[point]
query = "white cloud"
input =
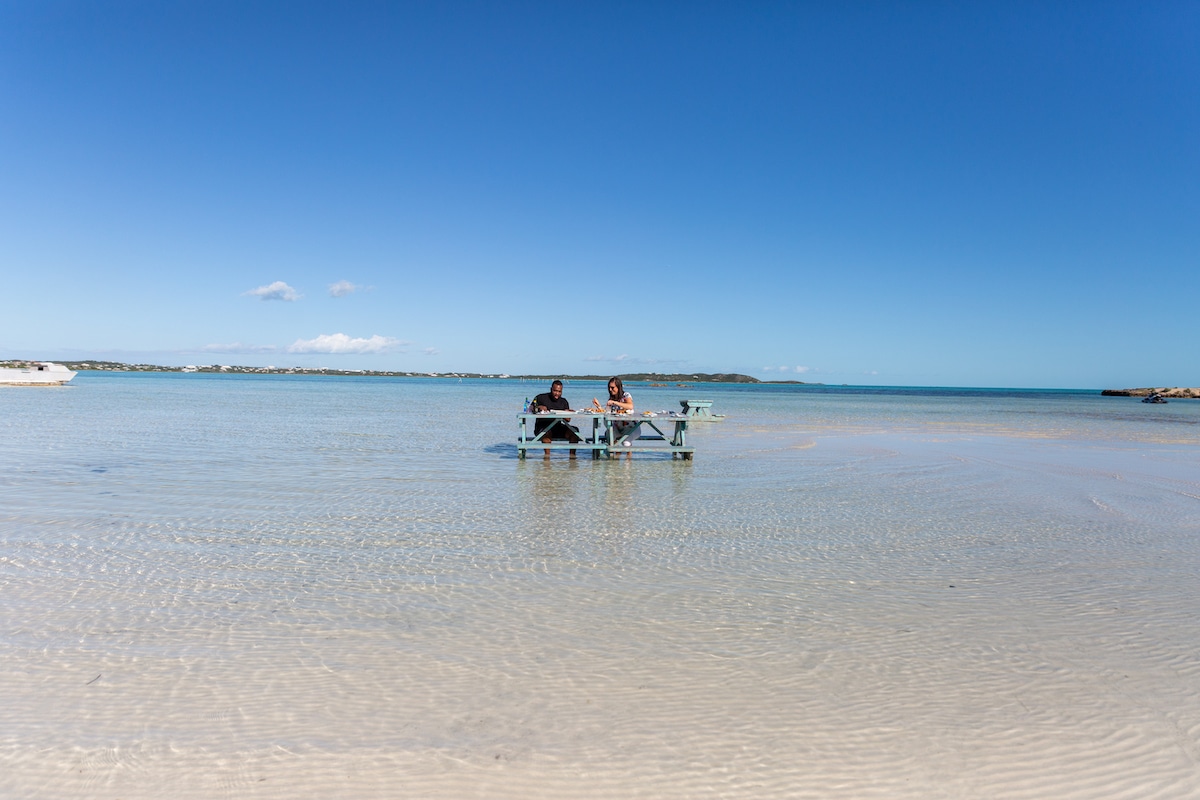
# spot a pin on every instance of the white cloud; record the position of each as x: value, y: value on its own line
x: 343, y: 288
x: 802, y: 370
x: 612, y: 359
x: 341, y: 344
x: 275, y: 291
x: 432, y: 351
x: 238, y: 347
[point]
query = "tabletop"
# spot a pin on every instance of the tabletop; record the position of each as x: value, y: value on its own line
x: 581, y: 412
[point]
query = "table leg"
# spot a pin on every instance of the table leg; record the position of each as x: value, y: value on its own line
x: 680, y: 433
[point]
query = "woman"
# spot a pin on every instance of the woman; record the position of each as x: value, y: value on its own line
x: 619, y: 400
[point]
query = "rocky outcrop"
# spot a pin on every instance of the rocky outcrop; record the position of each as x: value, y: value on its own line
x: 1169, y: 393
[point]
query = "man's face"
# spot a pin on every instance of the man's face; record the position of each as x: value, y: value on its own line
x: 556, y: 391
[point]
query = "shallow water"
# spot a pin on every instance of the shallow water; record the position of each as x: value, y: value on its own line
x: 227, y: 586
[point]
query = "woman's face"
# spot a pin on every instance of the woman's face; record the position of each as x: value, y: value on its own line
x: 612, y: 389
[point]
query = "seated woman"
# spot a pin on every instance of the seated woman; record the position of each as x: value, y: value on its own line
x: 619, y: 400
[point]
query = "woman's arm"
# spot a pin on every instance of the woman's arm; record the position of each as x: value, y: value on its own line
x: 625, y: 403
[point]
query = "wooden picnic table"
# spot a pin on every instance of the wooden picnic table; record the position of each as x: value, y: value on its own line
x: 640, y: 433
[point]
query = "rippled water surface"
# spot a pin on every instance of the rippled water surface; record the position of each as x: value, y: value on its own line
x: 235, y: 586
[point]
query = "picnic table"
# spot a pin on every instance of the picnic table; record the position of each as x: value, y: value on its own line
x: 640, y: 432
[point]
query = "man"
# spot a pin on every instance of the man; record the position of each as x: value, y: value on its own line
x: 548, y: 429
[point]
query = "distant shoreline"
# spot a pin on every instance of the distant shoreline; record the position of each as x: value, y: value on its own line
x: 227, y: 369
x: 653, y: 378
x: 1174, y: 393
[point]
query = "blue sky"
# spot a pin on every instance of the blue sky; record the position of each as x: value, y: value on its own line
x: 973, y: 194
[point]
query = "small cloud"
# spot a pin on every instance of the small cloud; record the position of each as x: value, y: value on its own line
x: 768, y: 369
x: 611, y: 359
x: 275, y: 291
x: 341, y: 344
x: 238, y: 347
x: 802, y: 370
x: 431, y: 351
x: 343, y: 288
x: 871, y: 372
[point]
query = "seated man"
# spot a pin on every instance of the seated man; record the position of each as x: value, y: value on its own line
x: 548, y: 429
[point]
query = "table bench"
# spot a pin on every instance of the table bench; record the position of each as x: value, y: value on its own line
x: 604, y: 439
x: 700, y: 411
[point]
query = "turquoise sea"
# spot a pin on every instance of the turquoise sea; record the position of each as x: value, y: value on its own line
x: 278, y: 586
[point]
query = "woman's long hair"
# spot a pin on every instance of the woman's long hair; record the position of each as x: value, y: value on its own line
x: 620, y: 388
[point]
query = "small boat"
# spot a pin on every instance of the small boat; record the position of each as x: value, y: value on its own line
x: 39, y: 373
x: 1154, y: 397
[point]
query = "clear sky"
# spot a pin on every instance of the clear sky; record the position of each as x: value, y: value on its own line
x: 972, y: 194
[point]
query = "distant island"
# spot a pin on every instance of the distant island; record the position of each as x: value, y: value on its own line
x: 1171, y: 392
x: 228, y: 369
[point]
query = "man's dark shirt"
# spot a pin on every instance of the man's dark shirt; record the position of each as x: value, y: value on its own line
x: 561, y: 404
